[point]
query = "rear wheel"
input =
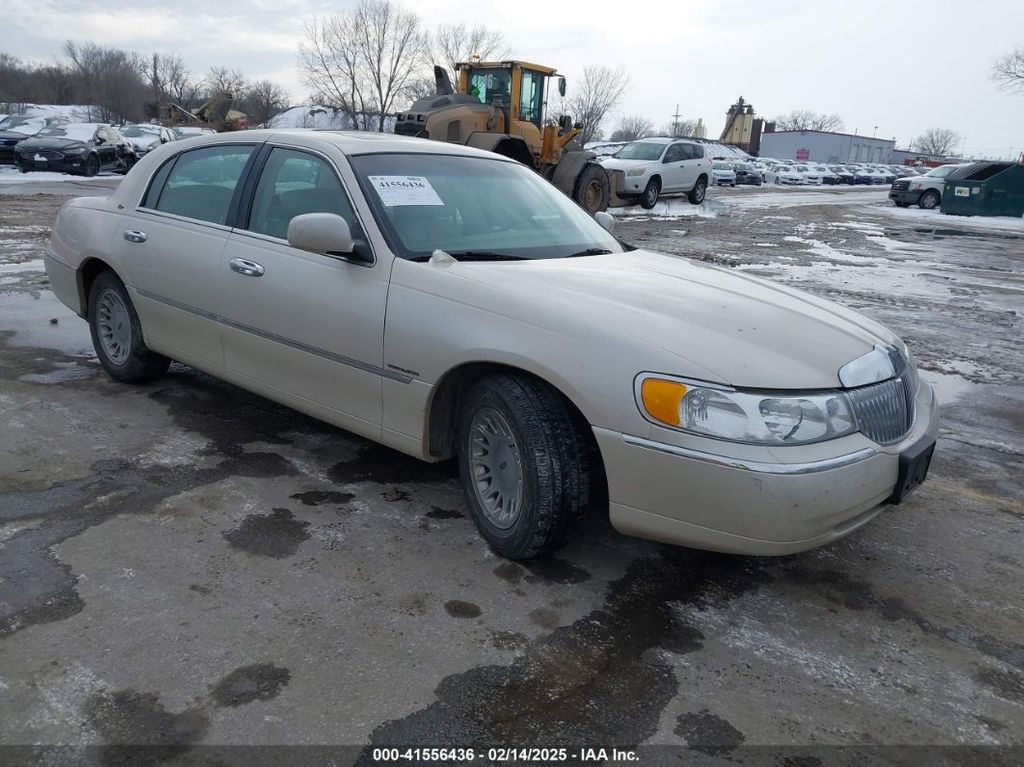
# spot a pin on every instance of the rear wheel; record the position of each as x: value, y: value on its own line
x: 524, y: 464
x: 696, y: 195
x: 117, y: 333
x: 929, y: 200
x: 592, y: 189
x: 651, y: 194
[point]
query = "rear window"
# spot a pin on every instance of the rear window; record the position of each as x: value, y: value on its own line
x: 199, y: 184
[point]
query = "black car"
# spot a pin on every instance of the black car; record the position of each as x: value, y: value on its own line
x: 862, y: 176
x: 82, y: 148
x: 842, y: 173
x: 747, y: 174
x: 16, y: 128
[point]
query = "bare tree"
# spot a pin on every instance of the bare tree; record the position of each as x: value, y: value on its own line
x: 263, y: 99
x: 804, y: 119
x: 683, y: 126
x: 223, y: 80
x: 365, y: 59
x: 1008, y: 71
x: 458, y: 42
x: 937, y: 141
x: 594, y: 96
x: 170, y: 81
x: 110, y: 79
x: 632, y: 127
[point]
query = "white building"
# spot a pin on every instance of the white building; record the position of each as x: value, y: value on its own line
x: 822, y: 146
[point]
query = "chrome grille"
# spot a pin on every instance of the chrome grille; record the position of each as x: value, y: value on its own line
x: 885, y: 410
x: 49, y: 154
x: 901, y: 185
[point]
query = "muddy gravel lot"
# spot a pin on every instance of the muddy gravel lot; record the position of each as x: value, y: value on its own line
x: 185, y: 564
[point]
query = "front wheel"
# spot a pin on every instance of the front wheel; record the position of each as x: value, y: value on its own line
x: 651, y: 194
x: 592, y: 191
x: 92, y: 165
x: 929, y: 200
x: 117, y: 333
x: 696, y: 195
x: 524, y: 464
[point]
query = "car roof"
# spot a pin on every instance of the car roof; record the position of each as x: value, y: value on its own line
x: 349, y: 142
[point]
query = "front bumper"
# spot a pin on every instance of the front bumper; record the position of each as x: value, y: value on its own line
x: 909, y: 196
x: 763, y: 505
x: 65, y: 164
x: 7, y: 155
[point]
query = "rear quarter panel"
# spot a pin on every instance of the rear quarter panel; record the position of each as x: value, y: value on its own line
x: 83, y: 229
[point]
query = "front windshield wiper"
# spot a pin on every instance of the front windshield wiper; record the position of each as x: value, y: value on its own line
x: 590, y: 252
x: 476, y: 255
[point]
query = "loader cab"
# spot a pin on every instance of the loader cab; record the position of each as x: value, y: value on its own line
x: 514, y: 85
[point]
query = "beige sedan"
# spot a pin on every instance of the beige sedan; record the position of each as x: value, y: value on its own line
x: 448, y: 302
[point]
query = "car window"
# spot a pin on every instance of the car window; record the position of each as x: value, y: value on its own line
x: 201, y: 183
x: 293, y: 183
x: 694, y: 151
x: 675, y: 153
x: 531, y: 101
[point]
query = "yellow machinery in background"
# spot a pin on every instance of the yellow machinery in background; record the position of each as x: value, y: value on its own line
x: 500, y: 106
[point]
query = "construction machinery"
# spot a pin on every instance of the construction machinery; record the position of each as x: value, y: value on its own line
x: 500, y: 106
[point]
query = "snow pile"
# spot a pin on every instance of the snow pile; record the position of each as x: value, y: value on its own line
x: 323, y: 118
x: 74, y: 112
x: 937, y: 219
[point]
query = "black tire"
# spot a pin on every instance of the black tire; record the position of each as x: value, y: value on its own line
x: 139, y: 364
x: 902, y: 204
x: 929, y: 200
x: 592, y: 192
x: 651, y: 194
x: 552, y: 456
x: 697, y: 194
x: 92, y: 166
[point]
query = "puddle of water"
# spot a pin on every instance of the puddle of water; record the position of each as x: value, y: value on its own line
x: 949, y: 387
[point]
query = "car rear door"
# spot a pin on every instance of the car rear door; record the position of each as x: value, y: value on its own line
x: 306, y: 326
x: 693, y: 165
x: 170, y: 249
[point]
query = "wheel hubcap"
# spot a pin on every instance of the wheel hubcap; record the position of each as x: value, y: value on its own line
x: 497, y: 468
x: 592, y: 196
x: 114, y: 326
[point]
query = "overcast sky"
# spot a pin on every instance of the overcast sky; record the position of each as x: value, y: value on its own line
x: 900, y: 65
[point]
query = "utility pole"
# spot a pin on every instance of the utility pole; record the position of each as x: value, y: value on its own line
x: 675, y: 122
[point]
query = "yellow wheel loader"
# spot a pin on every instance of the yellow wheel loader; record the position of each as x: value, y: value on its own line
x: 500, y: 106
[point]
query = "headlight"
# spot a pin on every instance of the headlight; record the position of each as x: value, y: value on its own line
x: 636, y: 172
x: 75, y: 150
x: 762, y: 418
x: 915, y: 184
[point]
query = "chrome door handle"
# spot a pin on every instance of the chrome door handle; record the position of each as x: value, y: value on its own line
x: 248, y: 268
x: 136, y: 235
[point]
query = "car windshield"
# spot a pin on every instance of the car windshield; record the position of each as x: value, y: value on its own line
x: 135, y: 131
x: 722, y: 166
x: 640, y: 150
x: 743, y: 166
x: 20, y: 124
x: 74, y: 131
x: 942, y: 171
x: 783, y: 168
x: 474, y: 208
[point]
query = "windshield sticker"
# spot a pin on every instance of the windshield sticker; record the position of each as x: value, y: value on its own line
x: 405, y: 190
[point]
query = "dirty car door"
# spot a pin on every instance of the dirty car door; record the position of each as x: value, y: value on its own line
x: 304, y: 325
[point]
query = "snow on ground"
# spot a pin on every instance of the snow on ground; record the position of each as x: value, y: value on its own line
x: 938, y: 219
x: 11, y: 175
x: 311, y: 117
x: 672, y: 208
x: 76, y: 112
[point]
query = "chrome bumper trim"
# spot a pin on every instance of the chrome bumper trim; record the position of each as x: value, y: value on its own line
x: 761, y: 467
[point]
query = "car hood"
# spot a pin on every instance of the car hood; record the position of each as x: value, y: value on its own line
x: 746, y: 331
x: 48, y: 142
x: 615, y: 163
x: 6, y: 135
x: 143, y: 142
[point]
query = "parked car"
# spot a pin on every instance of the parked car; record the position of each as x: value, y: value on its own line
x: 145, y: 138
x: 864, y: 175
x: 16, y: 128
x: 190, y: 131
x: 787, y: 174
x: 885, y: 172
x: 827, y: 176
x: 748, y: 173
x: 82, y: 148
x: 449, y: 302
x: 924, y: 191
x: 723, y: 174
x: 655, y: 166
x: 811, y: 176
x: 842, y: 174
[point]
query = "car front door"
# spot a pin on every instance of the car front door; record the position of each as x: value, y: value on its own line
x: 106, y: 147
x: 673, y: 168
x: 303, y: 325
x: 170, y: 249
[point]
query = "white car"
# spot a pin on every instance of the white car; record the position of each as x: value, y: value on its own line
x: 450, y: 303
x: 145, y: 137
x: 652, y: 167
x: 787, y: 174
x: 723, y: 174
x: 810, y: 173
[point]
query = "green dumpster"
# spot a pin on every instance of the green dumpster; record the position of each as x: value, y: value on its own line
x: 985, y: 189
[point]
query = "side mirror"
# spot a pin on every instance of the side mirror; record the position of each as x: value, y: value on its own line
x: 561, y: 86
x: 324, y: 233
x: 606, y: 220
